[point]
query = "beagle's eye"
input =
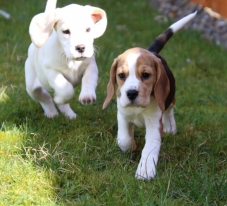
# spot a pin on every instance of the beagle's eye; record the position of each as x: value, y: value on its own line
x: 88, y: 29
x: 145, y: 75
x: 66, y: 31
x: 121, y: 76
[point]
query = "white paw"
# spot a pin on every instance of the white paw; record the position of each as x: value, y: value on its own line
x: 51, y: 114
x: 168, y: 120
x: 61, y: 100
x: 67, y: 111
x: 70, y: 114
x: 146, y: 169
x: 64, y: 97
x: 87, y: 97
x: 125, y: 145
x: 169, y: 127
x: 50, y: 110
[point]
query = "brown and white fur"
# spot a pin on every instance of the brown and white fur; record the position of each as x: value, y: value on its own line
x: 145, y: 97
x: 61, y: 56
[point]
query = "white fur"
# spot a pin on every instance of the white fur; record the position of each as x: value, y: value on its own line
x: 55, y: 65
x: 179, y: 24
x: 131, y: 82
x: 50, y: 6
x: 169, y: 124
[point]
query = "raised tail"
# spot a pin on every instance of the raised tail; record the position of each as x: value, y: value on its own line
x: 157, y: 45
x: 50, y: 6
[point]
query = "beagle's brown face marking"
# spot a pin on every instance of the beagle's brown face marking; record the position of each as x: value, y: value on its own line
x: 122, y: 74
x: 136, y: 77
x: 146, y: 73
x: 137, y: 73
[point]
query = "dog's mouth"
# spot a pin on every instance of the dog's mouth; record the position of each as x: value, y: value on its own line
x: 136, y: 103
x: 80, y: 58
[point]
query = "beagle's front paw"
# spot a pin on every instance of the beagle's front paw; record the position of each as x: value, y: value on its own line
x: 87, y: 97
x: 146, y: 169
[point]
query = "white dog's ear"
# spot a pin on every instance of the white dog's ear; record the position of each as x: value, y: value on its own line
x: 111, y: 84
x: 100, y: 20
x: 41, y: 28
x: 162, y: 86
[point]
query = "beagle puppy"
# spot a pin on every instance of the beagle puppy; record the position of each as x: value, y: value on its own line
x: 61, y: 56
x: 145, y: 97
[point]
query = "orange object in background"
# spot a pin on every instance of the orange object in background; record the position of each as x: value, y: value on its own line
x: 218, y: 6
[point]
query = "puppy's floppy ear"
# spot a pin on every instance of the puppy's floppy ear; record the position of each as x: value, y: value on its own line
x: 111, y: 84
x: 100, y: 20
x: 162, y: 86
x: 41, y: 28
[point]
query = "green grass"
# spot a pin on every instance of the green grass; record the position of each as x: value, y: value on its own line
x: 62, y: 162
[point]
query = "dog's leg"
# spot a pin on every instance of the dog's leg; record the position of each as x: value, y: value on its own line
x: 64, y: 92
x: 63, y: 89
x: 37, y: 92
x: 149, y: 158
x: 67, y: 111
x: 169, y: 124
x: 89, y: 84
x: 125, y: 134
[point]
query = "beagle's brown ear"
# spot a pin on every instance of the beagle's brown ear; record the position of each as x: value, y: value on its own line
x: 111, y: 84
x: 162, y: 86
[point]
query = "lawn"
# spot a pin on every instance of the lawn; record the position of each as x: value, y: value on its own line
x: 77, y: 162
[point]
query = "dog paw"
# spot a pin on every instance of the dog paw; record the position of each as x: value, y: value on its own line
x: 125, y: 145
x: 62, y: 100
x: 67, y: 111
x: 50, y: 110
x: 50, y: 114
x: 169, y: 127
x: 169, y: 130
x: 70, y: 114
x: 169, y: 123
x: 146, y: 170
x: 87, y: 98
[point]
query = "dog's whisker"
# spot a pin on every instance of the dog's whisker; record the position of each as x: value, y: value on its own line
x: 64, y: 57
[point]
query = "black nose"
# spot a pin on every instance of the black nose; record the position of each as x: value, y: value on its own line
x: 80, y: 48
x: 132, y: 94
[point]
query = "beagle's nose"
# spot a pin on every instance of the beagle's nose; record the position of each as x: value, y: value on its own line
x: 132, y: 94
x: 80, y: 48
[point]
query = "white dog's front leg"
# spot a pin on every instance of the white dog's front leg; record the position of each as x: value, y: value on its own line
x: 149, y: 158
x: 63, y: 89
x: 125, y: 134
x: 89, y: 84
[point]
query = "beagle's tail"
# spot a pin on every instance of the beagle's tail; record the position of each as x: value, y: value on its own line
x: 50, y: 6
x: 157, y: 45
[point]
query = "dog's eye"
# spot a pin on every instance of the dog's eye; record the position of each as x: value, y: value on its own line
x: 121, y: 76
x: 88, y: 29
x: 66, y: 31
x: 145, y: 75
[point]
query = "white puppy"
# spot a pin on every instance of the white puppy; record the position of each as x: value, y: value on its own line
x: 145, y: 97
x: 61, y: 56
